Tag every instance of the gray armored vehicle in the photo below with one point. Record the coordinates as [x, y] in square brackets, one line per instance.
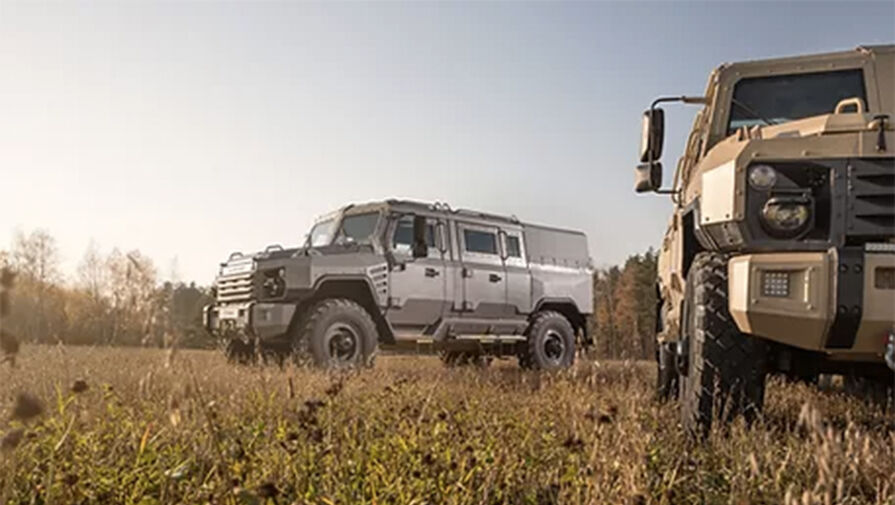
[405, 274]
[780, 251]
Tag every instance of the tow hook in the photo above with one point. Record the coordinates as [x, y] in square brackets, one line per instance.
[890, 350]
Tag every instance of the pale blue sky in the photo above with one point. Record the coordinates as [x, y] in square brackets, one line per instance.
[191, 130]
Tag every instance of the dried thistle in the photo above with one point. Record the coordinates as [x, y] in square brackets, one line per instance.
[267, 490]
[12, 439]
[26, 407]
[79, 386]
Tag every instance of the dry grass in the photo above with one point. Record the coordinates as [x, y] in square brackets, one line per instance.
[135, 426]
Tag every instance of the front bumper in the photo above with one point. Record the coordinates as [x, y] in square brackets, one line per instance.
[247, 320]
[838, 301]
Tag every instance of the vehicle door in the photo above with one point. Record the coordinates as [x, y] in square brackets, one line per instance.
[417, 286]
[518, 276]
[482, 272]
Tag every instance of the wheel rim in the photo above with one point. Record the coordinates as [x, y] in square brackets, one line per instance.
[342, 341]
[554, 346]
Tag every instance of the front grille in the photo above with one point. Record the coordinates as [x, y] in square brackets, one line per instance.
[234, 288]
[871, 199]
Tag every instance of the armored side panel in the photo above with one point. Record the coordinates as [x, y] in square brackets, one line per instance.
[560, 266]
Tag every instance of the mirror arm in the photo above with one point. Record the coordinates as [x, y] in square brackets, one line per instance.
[652, 108]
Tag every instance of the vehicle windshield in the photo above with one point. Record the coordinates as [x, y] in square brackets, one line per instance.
[780, 98]
[322, 233]
[357, 228]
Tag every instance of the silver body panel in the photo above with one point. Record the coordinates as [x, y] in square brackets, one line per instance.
[483, 274]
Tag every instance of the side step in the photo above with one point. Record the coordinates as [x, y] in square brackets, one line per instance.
[492, 339]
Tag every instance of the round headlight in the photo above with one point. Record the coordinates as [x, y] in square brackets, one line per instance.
[786, 216]
[762, 177]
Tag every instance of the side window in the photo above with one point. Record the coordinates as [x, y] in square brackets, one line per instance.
[481, 242]
[514, 250]
[402, 240]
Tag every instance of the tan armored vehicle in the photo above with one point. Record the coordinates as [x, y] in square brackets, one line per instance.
[780, 253]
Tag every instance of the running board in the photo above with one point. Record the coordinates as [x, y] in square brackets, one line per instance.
[492, 338]
[454, 327]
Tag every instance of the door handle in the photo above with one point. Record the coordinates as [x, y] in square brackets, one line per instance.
[494, 278]
[431, 272]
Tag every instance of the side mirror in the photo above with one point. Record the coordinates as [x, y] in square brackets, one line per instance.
[652, 135]
[648, 177]
[420, 246]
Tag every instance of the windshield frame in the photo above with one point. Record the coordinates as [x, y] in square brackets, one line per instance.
[729, 75]
[330, 221]
[764, 116]
[367, 240]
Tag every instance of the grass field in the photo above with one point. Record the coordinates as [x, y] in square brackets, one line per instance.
[143, 427]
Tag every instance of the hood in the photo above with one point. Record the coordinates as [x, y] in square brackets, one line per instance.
[827, 124]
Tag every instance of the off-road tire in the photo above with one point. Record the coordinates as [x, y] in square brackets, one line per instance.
[548, 325]
[240, 352]
[667, 377]
[877, 391]
[314, 340]
[726, 368]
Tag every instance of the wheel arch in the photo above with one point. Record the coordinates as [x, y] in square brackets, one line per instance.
[568, 308]
[353, 287]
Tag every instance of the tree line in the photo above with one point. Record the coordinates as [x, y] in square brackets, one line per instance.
[625, 308]
[117, 299]
[113, 299]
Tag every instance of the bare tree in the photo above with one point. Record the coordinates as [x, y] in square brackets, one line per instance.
[133, 300]
[36, 256]
[92, 273]
[36, 259]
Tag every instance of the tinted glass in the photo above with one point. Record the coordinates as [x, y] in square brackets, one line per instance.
[404, 233]
[513, 248]
[480, 241]
[783, 98]
[359, 227]
[322, 233]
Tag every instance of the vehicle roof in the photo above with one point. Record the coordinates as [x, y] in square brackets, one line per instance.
[442, 208]
[865, 50]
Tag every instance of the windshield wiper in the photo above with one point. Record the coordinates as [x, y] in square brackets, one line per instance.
[752, 112]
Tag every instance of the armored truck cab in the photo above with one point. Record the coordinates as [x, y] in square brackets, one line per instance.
[467, 284]
[780, 253]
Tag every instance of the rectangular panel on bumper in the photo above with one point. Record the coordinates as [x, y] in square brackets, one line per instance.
[271, 320]
[222, 319]
[262, 320]
[782, 296]
[806, 308]
[879, 303]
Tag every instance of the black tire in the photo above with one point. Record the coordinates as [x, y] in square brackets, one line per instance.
[550, 344]
[726, 369]
[667, 379]
[809, 379]
[877, 391]
[337, 333]
[240, 352]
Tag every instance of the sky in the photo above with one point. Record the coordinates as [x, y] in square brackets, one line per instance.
[190, 130]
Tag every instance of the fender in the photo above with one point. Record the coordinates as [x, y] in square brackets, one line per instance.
[346, 286]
